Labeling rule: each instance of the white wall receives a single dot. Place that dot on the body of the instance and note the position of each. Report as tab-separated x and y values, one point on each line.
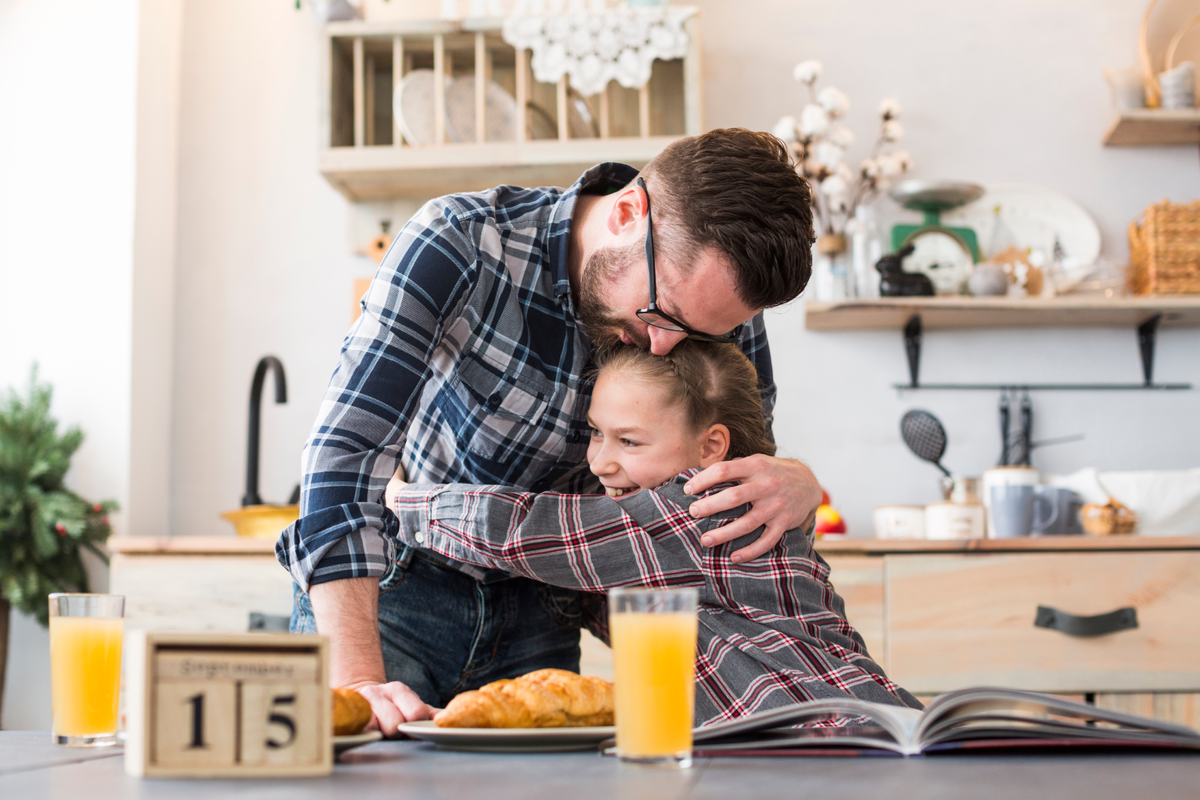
67	83
994	90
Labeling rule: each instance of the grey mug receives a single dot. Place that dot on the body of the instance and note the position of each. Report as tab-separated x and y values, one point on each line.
1012	511
1055	511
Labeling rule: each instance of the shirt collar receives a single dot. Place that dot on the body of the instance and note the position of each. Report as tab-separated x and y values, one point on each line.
601	179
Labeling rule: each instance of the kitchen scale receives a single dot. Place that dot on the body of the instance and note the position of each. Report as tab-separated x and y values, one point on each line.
944	253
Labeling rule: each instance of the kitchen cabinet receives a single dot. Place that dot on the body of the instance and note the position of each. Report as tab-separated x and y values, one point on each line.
941	616
937	615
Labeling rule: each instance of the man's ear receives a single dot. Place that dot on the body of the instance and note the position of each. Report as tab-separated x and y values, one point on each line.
628	210
714	446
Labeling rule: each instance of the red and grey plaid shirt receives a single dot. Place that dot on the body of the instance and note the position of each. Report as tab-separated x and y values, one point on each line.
773	631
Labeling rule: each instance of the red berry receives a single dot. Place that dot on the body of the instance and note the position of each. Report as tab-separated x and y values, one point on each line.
62	529
97	508
104	521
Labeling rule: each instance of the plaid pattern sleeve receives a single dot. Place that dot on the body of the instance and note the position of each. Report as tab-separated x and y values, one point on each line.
773	631
370	403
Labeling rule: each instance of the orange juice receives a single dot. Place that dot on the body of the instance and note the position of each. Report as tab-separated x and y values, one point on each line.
654	665
85	674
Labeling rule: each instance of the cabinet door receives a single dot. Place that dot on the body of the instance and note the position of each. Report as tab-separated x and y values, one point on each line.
1178	707
967	620
859	580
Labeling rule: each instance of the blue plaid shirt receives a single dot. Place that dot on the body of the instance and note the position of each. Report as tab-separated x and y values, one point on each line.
466	366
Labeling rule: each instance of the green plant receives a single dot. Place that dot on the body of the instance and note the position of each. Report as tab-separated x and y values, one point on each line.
44	526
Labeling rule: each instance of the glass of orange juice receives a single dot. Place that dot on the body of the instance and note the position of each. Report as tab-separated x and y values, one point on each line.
653	634
85	667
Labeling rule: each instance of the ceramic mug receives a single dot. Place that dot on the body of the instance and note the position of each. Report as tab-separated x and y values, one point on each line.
1019	511
1004	476
954	521
1063	520
899	522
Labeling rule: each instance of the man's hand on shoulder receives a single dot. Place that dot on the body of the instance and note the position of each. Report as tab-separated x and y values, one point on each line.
782	493
392	704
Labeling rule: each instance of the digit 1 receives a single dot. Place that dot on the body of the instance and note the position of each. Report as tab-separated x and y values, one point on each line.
197	704
282	719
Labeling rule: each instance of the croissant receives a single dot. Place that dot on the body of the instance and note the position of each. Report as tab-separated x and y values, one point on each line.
547	698
351	712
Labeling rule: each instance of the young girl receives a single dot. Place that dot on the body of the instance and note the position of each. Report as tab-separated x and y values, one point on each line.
772	631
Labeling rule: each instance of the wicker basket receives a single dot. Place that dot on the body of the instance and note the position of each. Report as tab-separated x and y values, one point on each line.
1164	251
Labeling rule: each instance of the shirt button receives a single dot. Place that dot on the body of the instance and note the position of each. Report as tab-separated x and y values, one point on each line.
494	400
420	537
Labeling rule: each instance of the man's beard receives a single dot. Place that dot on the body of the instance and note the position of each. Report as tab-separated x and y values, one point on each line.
603	326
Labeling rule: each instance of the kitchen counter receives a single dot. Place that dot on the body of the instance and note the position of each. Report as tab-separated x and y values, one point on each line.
414	770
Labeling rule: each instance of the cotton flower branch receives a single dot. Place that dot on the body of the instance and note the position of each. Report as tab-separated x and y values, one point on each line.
819	147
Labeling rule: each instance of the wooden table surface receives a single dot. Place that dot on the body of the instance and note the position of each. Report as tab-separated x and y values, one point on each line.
32	767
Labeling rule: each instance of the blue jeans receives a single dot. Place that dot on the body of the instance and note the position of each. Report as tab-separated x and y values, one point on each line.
444	632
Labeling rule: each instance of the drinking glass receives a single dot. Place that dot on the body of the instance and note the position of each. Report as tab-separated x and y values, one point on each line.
653	634
85	667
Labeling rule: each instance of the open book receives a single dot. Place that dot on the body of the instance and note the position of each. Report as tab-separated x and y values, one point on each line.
972	720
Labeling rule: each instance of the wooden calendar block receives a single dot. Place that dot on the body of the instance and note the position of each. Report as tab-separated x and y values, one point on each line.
195	724
270	733
227	705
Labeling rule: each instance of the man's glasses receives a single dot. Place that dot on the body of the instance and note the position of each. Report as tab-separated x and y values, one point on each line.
651	314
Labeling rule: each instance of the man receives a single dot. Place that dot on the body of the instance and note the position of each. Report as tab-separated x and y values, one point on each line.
468	365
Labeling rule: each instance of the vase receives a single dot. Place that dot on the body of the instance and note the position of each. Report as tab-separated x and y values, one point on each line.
832	269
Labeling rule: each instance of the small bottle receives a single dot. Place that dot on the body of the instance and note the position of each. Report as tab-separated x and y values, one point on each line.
866	248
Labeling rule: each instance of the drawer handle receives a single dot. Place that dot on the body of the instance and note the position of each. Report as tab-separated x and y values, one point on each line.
1122	619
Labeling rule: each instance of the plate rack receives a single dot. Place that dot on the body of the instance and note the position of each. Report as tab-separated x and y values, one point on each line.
558	134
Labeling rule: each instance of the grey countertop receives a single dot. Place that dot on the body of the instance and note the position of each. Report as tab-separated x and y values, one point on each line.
32	767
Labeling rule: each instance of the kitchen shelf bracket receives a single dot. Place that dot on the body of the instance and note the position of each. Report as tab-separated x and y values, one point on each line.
1147	335
912	349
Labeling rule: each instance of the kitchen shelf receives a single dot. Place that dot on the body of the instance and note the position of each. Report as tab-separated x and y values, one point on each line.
981	312
366	156
385	172
1154	126
913	314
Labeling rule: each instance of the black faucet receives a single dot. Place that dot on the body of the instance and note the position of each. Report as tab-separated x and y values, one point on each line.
251	497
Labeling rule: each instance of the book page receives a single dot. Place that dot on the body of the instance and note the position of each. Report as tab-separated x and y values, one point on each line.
897	722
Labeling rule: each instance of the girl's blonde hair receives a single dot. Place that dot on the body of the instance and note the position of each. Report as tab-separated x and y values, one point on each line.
713	384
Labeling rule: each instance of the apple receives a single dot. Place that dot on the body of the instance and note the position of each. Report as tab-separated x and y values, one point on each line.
829	521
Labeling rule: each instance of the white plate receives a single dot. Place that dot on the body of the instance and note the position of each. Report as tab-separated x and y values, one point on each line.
500	112
344	743
509	740
1035	215
412	105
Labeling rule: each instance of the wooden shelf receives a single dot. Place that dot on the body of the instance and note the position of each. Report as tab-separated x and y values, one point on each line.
893	313
377	173
1145	127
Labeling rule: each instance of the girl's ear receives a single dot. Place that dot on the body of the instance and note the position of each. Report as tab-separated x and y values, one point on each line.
714	445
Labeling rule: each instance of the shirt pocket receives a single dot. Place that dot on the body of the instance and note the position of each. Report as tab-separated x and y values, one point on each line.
504	411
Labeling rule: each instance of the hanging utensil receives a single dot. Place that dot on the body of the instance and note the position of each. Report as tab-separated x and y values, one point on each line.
925	437
1003	430
1026	430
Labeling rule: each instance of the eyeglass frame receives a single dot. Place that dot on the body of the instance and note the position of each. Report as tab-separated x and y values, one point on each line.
657	314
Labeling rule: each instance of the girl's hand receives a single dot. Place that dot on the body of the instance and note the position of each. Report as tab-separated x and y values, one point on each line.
783	494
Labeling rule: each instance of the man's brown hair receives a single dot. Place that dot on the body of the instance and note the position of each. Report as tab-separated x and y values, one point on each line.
736	190
713	384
